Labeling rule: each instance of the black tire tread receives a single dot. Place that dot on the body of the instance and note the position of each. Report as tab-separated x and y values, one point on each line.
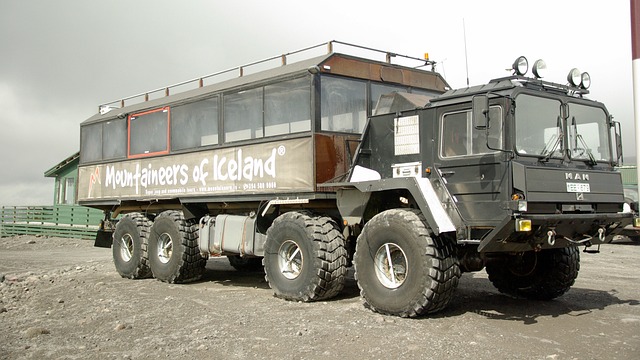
443	266
555	273
191	264
330	257
143	225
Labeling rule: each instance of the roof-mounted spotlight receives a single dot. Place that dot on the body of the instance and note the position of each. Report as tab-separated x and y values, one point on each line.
575	77
539	69
585	80
520	66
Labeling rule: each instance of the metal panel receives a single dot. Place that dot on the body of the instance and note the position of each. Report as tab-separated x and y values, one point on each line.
423	191
230	234
406	136
332	155
558	185
478	187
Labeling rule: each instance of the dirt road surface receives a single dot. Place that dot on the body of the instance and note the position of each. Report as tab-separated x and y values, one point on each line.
62	299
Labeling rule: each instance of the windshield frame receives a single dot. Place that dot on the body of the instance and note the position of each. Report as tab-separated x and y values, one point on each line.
576	138
559	147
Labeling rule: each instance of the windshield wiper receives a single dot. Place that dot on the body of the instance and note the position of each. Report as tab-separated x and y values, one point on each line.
592	160
585	149
554	141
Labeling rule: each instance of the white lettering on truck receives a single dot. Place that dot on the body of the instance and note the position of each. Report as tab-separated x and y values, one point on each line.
243	168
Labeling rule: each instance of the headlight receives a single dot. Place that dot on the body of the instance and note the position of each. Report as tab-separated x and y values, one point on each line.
575	77
585	80
539	69
520	66
523	225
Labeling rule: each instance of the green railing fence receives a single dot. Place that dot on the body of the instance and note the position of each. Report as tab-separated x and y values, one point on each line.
60	220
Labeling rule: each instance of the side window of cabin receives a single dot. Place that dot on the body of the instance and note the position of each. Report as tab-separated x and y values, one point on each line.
103	141
243	115
91	143
343	104
378	90
114	135
276	109
459	138
149	133
194	124
287	107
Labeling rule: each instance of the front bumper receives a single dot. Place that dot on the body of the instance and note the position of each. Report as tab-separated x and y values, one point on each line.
555	231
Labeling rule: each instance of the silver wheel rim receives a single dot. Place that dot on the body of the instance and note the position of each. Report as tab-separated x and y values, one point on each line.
165	248
290	260
391	265
126	247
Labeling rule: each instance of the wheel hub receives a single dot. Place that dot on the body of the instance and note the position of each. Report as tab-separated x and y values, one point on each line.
165	248
390	264
126	247
290	260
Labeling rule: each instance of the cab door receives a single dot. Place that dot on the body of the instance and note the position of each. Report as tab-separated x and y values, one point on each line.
471	164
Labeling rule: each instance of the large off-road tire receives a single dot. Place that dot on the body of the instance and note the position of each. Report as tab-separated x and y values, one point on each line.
245	264
129	248
305	258
174	256
401	269
543	275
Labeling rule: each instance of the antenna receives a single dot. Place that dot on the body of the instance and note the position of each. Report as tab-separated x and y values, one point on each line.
466	61
444	73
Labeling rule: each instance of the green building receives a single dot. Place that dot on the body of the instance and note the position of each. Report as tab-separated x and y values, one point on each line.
64	219
66	179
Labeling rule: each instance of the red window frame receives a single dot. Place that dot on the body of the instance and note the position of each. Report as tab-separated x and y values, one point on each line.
162	152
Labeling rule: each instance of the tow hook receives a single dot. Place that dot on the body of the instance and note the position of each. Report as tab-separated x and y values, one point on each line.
551	237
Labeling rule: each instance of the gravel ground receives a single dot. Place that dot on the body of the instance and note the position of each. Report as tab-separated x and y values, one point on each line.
62	299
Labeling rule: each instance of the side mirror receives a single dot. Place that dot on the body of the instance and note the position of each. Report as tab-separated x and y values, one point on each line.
480	112
617	140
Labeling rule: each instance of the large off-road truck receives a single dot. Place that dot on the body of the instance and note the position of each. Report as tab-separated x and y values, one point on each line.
313	166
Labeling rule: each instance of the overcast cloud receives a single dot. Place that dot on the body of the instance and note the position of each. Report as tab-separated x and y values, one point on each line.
60	59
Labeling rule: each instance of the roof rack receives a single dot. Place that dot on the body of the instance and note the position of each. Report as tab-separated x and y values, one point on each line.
240	70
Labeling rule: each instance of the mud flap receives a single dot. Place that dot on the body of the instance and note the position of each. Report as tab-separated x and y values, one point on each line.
103	239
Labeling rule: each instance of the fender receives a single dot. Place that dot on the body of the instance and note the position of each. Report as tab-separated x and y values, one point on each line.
352	199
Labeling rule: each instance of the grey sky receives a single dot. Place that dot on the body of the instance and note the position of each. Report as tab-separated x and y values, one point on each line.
60	59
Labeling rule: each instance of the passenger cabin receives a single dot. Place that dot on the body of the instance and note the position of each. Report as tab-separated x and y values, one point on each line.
274	133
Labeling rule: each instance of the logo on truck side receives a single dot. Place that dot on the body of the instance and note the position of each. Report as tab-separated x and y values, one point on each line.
256	168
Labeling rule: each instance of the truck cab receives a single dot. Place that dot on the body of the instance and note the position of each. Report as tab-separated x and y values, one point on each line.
515	154
511	176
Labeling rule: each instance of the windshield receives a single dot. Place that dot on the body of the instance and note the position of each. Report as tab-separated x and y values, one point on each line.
540	130
588	133
538	126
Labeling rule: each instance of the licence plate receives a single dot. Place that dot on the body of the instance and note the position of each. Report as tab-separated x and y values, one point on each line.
578	187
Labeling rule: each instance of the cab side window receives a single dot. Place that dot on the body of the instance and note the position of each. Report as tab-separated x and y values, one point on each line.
454	134
459	138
